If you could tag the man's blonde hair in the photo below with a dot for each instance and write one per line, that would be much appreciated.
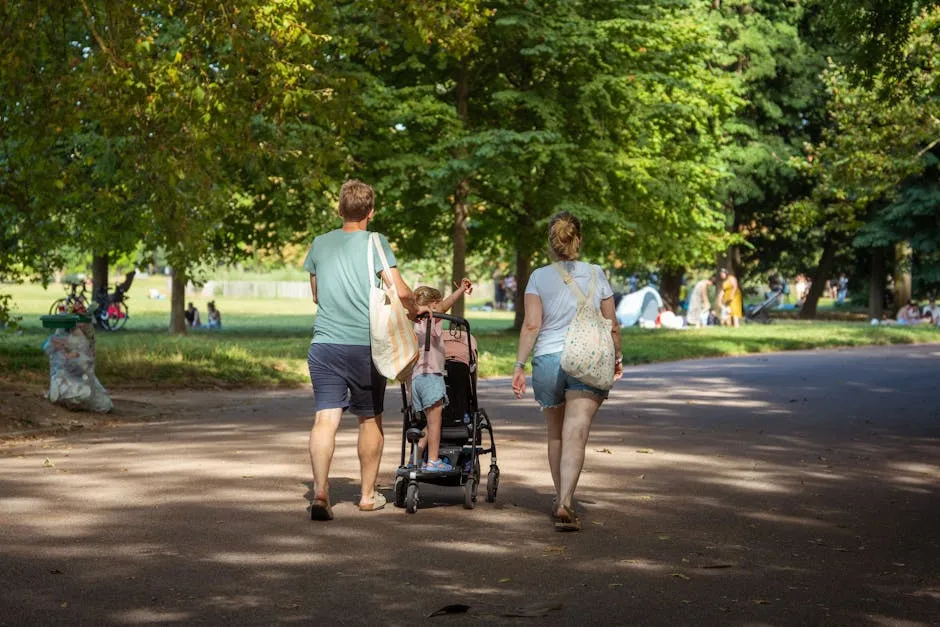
(356, 200)
(425, 295)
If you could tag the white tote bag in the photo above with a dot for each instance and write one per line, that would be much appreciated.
(392, 334)
(589, 354)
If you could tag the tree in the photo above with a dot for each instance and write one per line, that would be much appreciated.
(873, 168)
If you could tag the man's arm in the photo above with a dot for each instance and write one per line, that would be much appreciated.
(313, 287)
(405, 295)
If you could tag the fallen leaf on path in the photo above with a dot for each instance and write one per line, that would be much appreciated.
(48, 463)
(535, 610)
(642, 477)
(680, 576)
(455, 608)
(615, 585)
(248, 476)
(645, 451)
(646, 497)
(505, 580)
(761, 602)
(662, 537)
(555, 548)
(597, 522)
(55, 571)
(603, 450)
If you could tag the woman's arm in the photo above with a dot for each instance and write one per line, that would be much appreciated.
(531, 325)
(610, 312)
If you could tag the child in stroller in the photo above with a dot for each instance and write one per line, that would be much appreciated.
(459, 436)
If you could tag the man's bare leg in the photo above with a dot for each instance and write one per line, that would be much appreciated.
(322, 443)
(370, 445)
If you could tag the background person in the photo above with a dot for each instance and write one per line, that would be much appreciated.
(340, 356)
(731, 297)
(569, 404)
(192, 316)
(699, 304)
(213, 315)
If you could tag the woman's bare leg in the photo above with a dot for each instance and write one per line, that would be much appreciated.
(579, 412)
(555, 417)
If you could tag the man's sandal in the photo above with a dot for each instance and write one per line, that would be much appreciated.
(377, 503)
(320, 510)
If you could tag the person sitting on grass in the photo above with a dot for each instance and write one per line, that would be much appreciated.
(192, 316)
(215, 318)
(428, 392)
(909, 314)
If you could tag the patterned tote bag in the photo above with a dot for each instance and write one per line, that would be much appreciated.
(589, 354)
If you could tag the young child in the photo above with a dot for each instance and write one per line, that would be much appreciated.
(428, 392)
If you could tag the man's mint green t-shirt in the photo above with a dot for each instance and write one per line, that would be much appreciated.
(339, 259)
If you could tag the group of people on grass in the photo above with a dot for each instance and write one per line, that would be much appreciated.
(344, 376)
(194, 321)
(729, 299)
(913, 314)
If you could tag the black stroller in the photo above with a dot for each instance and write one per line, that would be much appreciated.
(761, 311)
(462, 427)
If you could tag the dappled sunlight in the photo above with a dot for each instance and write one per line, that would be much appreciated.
(692, 490)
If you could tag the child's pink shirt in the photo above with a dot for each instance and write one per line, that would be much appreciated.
(431, 361)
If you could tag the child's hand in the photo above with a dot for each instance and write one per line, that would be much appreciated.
(466, 286)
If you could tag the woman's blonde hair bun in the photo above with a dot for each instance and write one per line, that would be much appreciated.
(564, 236)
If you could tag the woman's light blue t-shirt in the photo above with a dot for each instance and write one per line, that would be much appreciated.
(559, 303)
(339, 259)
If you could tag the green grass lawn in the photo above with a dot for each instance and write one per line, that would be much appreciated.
(264, 342)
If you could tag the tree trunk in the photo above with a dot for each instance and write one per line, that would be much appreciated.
(177, 302)
(461, 211)
(902, 274)
(670, 284)
(99, 274)
(823, 272)
(523, 270)
(876, 286)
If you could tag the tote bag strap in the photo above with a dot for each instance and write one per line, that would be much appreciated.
(570, 282)
(375, 244)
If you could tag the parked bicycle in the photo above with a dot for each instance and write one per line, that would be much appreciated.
(74, 302)
(111, 313)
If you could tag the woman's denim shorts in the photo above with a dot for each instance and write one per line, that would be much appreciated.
(550, 382)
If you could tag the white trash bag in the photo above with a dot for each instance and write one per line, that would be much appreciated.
(72, 380)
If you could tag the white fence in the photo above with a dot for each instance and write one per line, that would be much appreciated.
(257, 289)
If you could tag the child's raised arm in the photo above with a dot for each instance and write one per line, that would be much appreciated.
(465, 287)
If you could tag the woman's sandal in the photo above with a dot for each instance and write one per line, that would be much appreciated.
(320, 510)
(568, 521)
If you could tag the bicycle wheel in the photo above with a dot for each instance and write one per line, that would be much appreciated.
(61, 306)
(117, 316)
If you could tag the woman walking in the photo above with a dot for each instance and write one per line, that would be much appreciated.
(569, 404)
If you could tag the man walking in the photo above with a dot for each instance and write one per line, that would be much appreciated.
(340, 356)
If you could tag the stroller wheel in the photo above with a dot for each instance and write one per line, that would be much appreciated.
(470, 493)
(400, 487)
(492, 484)
(411, 498)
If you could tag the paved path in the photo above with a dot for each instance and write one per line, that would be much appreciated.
(786, 489)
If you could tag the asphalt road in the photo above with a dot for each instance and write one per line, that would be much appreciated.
(786, 489)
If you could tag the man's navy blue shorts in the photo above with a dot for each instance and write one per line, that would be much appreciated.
(344, 376)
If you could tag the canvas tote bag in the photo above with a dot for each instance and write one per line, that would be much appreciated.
(392, 334)
(589, 354)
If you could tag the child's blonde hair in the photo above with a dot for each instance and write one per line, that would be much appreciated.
(425, 295)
